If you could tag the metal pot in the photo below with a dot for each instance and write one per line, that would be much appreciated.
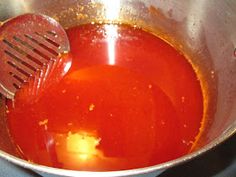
(204, 30)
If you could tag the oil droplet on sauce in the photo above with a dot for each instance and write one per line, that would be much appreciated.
(129, 100)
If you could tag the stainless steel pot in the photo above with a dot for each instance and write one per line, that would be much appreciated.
(204, 30)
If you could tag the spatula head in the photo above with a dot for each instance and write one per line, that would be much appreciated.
(30, 46)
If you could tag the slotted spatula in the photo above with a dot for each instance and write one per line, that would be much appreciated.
(30, 46)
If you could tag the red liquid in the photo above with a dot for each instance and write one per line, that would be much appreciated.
(129, 100)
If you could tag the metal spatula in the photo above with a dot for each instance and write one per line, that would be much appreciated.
(30, 46)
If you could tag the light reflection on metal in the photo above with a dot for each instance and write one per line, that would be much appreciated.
(111, 37)
(112, 12)
(112, 9)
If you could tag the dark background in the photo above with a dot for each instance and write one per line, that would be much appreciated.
(219, 162)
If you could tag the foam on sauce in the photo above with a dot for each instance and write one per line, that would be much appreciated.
(129, 100)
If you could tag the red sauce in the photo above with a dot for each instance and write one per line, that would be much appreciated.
(129, 100)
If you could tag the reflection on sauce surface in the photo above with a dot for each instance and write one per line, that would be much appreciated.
(129, 100)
